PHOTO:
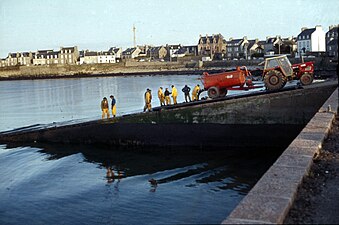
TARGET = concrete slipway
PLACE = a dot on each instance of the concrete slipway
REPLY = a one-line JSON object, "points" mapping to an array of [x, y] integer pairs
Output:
{"points": [[271, 198]]}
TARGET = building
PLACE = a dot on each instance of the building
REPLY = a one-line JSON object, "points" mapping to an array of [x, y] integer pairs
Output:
{"points": [[158, 52], [213, 46], [272, 45], [237, 48], [3, 62], [255, 48], [40, 58], [88, 57], [26, 58], [117, 52], [106, 57], [52, 57], [12, 59], [131, 53], [69, 55], [332, 41], [311, 40]]}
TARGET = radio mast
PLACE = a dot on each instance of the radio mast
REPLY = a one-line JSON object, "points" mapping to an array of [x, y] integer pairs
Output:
{"points": [[134, 39]]}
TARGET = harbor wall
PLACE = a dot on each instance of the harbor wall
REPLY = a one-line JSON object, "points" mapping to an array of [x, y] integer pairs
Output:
{"points": [[264, 119], [271, 198]]}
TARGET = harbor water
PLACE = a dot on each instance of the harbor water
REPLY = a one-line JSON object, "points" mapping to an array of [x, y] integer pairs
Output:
{"points": [[68, 184]]}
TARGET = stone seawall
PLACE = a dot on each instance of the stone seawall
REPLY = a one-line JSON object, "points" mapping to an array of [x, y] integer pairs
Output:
{"points": [[272, 197], [262, 119]]}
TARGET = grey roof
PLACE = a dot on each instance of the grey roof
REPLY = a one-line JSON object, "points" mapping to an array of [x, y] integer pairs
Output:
{"points": [[251, 43], [129, 51], [271, 40], [333, 42], [210, 38], [68, 48], [307, 32], [234, 42], [89, 53], [113, 49], [53, 53]]}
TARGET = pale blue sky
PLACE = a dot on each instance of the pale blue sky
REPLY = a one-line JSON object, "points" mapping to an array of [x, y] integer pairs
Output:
{"points": [[28, 25]]}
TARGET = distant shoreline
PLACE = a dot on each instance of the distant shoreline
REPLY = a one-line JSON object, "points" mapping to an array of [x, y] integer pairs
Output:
{"points": [[140, 69]]}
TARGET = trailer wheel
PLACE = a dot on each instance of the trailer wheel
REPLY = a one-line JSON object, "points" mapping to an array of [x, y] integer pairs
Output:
{"points": [[274, 80], [306, 79], [223, 92], [213, 92]]}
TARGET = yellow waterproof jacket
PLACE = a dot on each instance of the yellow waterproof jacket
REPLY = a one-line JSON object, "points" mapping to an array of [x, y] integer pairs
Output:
{"points": [[148, 97], [195, 90], [174, 92], [104, 104], [160, 94]]}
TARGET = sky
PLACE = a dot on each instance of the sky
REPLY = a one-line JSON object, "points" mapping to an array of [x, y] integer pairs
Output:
{"points": [[29, 25]]}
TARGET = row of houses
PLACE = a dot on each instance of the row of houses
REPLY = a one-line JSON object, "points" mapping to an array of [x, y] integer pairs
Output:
{"points": [[309, 40]]}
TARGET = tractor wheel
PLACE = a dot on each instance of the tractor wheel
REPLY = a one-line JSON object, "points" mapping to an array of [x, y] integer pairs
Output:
{"points": [[213, 92], [223, 92], [274, 80], [306, 79]]}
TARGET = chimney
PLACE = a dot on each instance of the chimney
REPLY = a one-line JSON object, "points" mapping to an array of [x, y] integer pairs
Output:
{"points": [[318, 27], [231, 39], [303, 28], [267, 37]]}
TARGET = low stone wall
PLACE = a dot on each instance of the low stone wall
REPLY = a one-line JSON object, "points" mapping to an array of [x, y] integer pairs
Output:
{"points": [[133, 67], [271, 198]]}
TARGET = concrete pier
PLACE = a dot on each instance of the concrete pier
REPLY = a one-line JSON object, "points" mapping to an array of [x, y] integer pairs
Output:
{"points": [[259, 119], [271, 198]]}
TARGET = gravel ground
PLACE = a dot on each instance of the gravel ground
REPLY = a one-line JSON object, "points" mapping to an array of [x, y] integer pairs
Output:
{"points": [[317, 200]]}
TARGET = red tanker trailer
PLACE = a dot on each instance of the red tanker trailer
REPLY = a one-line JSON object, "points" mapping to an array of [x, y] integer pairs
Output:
{"points": [[217, 84]]}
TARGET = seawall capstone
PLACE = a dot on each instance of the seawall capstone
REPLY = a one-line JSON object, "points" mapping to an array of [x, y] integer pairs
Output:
{"points": [[271, 198]]}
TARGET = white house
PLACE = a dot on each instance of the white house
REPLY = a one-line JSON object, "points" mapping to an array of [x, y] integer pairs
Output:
{"points": [[106, 57], [311, 40]]}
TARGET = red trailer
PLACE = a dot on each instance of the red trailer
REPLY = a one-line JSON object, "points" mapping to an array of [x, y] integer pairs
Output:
{"points": [[217, 84]]}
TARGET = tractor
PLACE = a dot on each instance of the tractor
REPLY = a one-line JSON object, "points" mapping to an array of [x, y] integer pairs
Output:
{"points": [[278, 70]]}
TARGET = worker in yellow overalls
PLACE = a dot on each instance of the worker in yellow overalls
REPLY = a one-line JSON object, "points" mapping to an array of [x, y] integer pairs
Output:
{"points": [[174, 94], [195, 93], [104, 108], [148, 100], [161, 96], [113, 105]]}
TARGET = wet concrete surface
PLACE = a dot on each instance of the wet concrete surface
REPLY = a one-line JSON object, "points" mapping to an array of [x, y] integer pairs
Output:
{"points": [[317, 201]]}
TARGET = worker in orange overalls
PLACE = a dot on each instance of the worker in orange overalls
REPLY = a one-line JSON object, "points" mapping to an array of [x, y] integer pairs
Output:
{"points": [[195, 93], [174, 94], [104, 108], [148, 100], [161, 96]]}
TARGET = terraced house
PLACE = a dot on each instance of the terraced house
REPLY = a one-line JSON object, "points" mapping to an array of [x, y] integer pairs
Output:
{"points": [[213, 46], [332, 41], [237, 48], [69, 55], [311, 40]]}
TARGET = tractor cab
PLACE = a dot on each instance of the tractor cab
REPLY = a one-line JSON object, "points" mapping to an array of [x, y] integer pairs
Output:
{"points": [[279, 63]]}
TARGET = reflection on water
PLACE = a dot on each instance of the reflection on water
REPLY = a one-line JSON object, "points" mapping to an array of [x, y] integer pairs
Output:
{"points": [[91, 185]]}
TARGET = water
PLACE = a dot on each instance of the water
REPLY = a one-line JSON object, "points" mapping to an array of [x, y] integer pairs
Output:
{"points": [[65, 184]]}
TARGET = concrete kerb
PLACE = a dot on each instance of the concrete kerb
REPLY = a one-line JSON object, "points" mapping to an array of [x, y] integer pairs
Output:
{"points": [[271, 198]]}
